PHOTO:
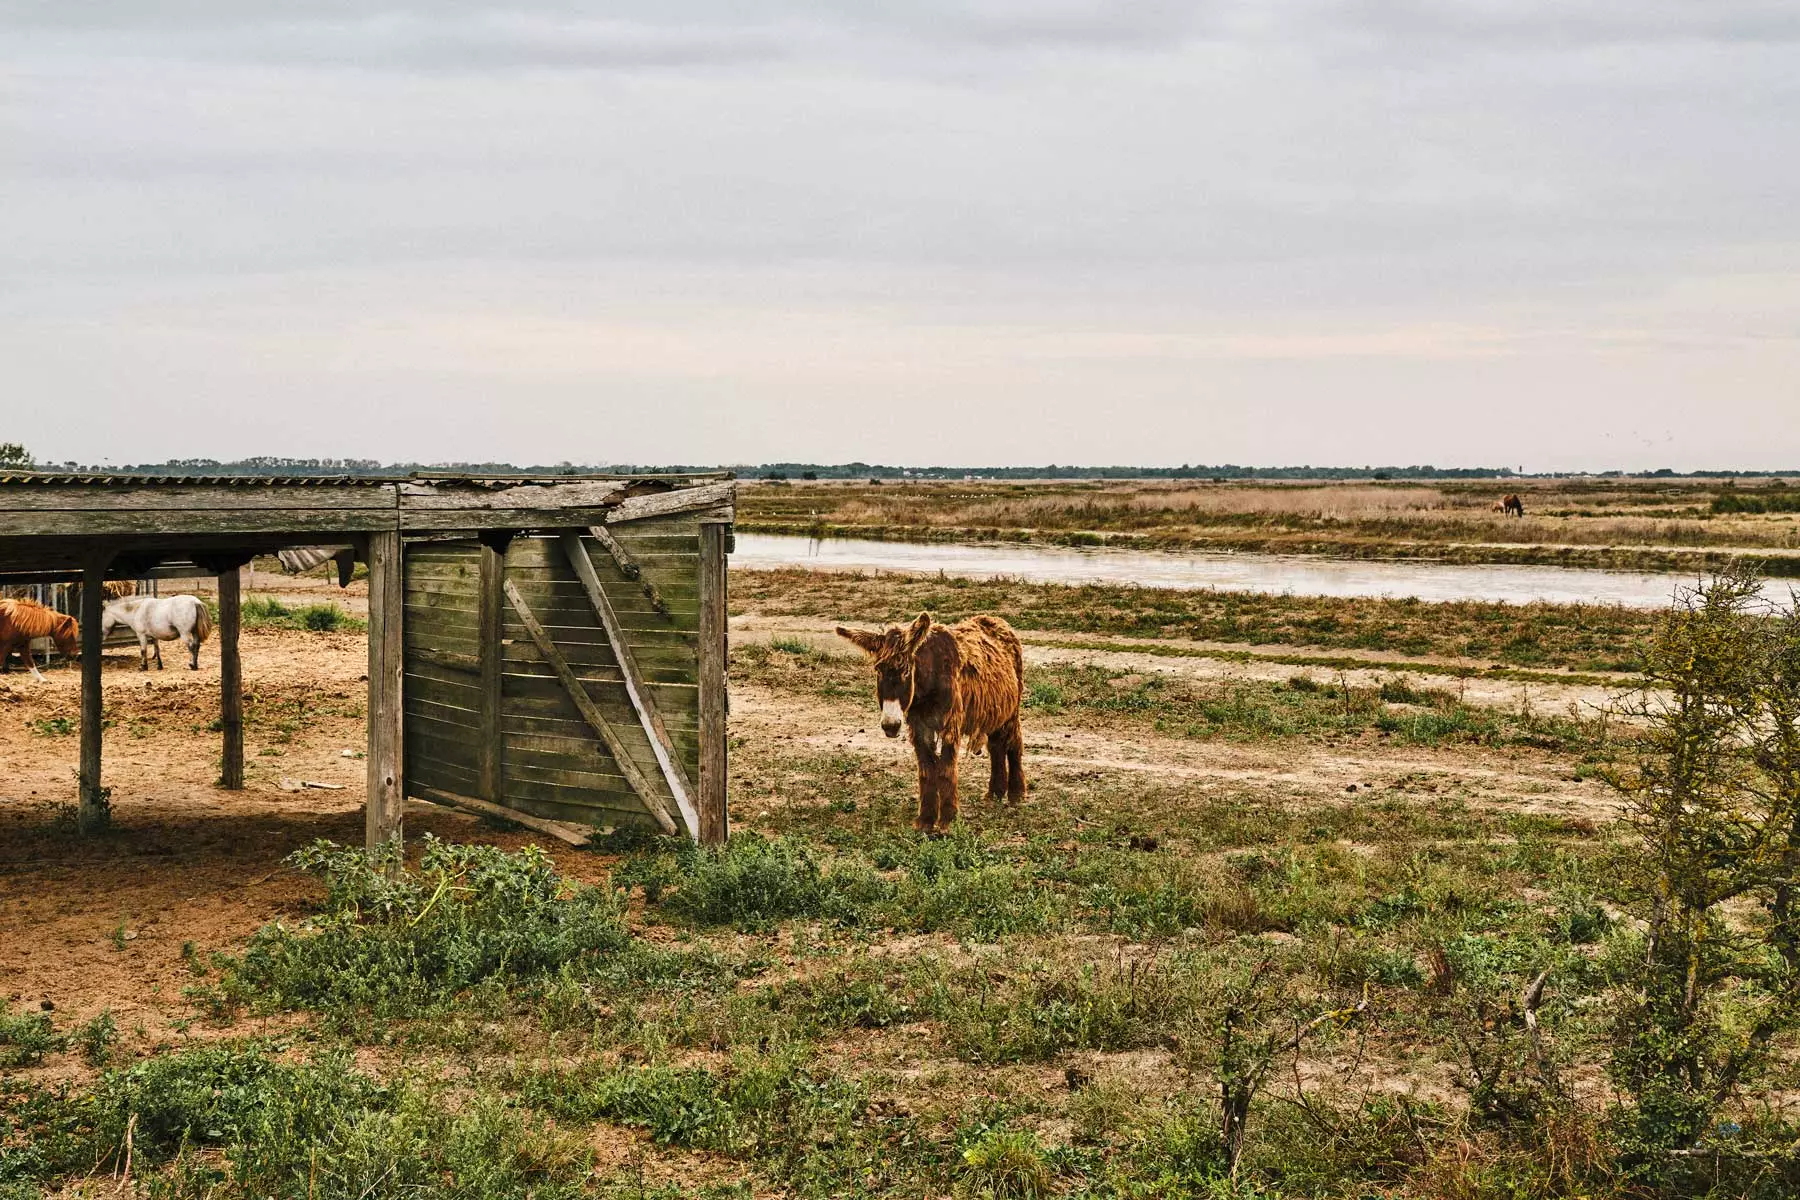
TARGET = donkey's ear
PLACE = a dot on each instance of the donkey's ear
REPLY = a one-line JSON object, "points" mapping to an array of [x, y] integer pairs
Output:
{"points": [[869, 642], [915, 633]]}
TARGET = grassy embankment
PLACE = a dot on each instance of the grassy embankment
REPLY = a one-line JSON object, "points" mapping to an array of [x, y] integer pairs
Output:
{"points": [[1632, 524], [1485, 636]]}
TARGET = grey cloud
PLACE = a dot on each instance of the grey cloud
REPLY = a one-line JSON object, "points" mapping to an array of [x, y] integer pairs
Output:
{"points": [[762, 209]]}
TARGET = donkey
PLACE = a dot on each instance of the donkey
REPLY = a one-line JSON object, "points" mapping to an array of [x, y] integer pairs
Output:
{"points": [[157, 620], [951, 685], [23, 620]]}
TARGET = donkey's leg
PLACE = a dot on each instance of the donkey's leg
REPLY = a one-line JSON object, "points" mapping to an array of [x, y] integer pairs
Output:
{"points": [[143, 654], [1015, 768], [156, 645], [192, 642], [928, 781], [996, 748], [30, 662], [946, 805]]}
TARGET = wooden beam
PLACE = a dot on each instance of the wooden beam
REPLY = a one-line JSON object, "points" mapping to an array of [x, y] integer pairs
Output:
{"points": [[231, 681], [556, 829], [490, 611], [195, 497], [665, 504], [95, 809], [584, 703], [715, 823], [641, 700], [629, 567], [386, 803], [421, 494]]}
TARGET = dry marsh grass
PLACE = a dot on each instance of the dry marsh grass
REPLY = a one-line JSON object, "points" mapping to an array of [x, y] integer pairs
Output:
{"points": [[1301, 517]]}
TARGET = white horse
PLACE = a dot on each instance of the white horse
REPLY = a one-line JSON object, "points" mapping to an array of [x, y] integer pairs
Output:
{"points": [[159, 619]]}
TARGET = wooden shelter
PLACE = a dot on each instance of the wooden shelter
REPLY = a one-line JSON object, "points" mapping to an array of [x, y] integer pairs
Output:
{"points": [[546, 648]]}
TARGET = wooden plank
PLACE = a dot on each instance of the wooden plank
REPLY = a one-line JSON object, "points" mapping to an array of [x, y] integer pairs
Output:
{"points": [[441, 772], [446, 659], [386, 804], [682, 500], [556, 829], [491, 622], [427, 495], [231, 681], [94, 810], [585, 704], [470, 520], [438, 745], [641, 700], [715, 824], [624, 814], [629, 567], [193, 497]]}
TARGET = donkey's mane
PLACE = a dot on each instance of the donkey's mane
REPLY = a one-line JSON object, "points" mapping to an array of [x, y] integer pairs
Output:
{"points": [[32, 619]]}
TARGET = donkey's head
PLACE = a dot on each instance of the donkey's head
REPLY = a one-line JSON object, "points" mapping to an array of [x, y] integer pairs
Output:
{"points": [[65, 634], [893, 651]]}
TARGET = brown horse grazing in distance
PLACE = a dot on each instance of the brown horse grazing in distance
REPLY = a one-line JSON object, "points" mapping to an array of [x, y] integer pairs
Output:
{"points": [[1511, 505], [22, 620], [952, 686]]}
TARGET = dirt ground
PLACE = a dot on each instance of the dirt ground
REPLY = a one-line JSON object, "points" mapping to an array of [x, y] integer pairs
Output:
{"points": [[89, 924]]}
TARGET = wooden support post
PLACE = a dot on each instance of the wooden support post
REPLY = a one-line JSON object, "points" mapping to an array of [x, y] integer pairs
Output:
{"points": [[489, 613], [231, 681], [387, 785], [95, 809], [715, 825], [642, 702]]}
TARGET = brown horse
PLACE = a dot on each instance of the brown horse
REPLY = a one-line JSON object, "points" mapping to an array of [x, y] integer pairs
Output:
{"points": [[23, 620], [952, 686], [1511, 505]]}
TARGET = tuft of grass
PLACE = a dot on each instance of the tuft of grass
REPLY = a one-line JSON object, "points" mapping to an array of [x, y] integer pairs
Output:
{"points": [[391, 942], [96, 1037], [269, 612], [1007, 1165], [25, 1038], [751, 883]]}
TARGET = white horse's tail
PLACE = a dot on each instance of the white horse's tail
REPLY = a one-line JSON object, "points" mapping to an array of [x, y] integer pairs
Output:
{"points": [[202, 620]]}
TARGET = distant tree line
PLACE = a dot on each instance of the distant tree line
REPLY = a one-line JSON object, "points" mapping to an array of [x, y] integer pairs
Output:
{"points": [[14, 455]]}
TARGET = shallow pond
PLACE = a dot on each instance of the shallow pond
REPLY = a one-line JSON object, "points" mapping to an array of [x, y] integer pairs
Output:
{"points": [[1280, 574]]}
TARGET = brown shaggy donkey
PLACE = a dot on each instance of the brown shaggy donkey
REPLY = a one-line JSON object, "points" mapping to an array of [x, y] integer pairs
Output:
{"points": [[22, 620], [951, 685]]}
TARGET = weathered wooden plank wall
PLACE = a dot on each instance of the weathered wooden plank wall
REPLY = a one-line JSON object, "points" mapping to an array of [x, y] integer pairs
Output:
{"points": [[548, 759]]}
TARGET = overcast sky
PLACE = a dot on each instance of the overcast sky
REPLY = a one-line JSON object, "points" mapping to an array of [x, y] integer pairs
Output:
{"points": [[1548, 233]]}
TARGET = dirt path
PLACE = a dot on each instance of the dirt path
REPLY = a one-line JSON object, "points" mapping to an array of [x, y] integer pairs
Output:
{"points": [[1511, 780]]}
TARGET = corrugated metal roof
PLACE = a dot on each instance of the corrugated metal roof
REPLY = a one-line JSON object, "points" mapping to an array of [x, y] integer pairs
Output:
{"points": [[108, 479], [103, 479]]}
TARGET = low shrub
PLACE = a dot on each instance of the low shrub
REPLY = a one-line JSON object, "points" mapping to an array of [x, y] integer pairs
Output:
{"points": [[396, 943]]}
